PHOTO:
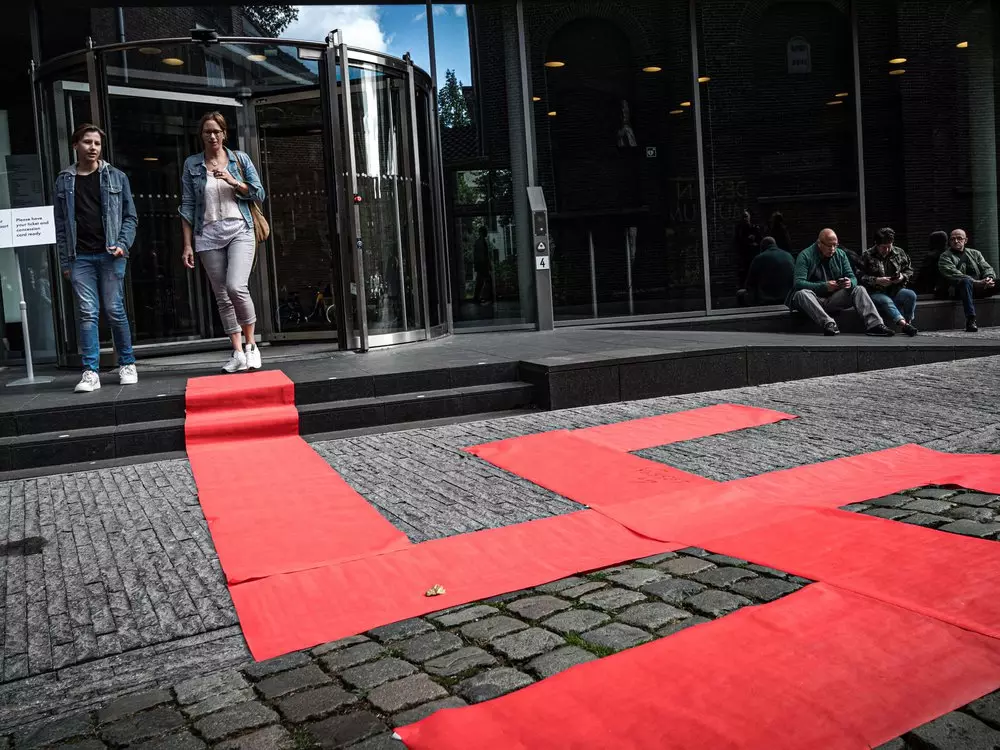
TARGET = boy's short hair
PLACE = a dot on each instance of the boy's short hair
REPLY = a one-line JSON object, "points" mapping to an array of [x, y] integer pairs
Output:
{"points": [[84, 129]]}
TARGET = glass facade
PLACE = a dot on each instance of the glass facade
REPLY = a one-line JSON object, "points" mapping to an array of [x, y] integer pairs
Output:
{"points": [[668, 137]]}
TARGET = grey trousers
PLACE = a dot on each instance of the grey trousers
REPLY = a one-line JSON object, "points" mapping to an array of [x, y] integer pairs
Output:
{"points": [[819, 308], [228, 270]]}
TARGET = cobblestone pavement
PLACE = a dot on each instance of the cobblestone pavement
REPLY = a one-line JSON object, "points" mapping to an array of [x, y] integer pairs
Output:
{"points": [[111, 583], [983, 333]]}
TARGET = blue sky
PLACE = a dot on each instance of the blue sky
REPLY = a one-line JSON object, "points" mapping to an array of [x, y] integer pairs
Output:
{"points": [[394, 29]]}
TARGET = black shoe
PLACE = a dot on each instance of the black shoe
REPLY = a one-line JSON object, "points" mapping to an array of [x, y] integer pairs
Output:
{"points": [[830, 329], [909, 329], [970, 325], [879, 330]]}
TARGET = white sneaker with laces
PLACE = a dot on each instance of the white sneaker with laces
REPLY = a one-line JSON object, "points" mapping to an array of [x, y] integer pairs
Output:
{"points": [[253, 356], [236, 363], [90, 382], [127, 375]]}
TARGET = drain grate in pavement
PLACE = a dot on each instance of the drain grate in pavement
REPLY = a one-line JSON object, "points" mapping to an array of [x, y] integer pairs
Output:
{"points": [[31, 545], [951, 509]]}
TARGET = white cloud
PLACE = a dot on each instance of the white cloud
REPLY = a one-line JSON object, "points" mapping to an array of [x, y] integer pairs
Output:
{"points": [[440, 10], [360, 25], [459, 11], [420, 16]]}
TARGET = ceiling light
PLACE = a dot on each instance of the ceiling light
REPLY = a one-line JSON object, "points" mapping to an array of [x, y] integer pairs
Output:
{"points": [[897, 72], [685, 104], [536, 98], [257, 58], [704, 79], [835, 101], [174, 61], [150, 50], [552, 114], [652, 69], [555, 64], [151, 158], [677, 111], [841, 95], [897, 61], [962, 45]]}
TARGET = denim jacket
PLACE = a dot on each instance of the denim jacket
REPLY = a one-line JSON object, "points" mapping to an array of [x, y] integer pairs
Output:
{"points": [[195, 176], [118, 211]]}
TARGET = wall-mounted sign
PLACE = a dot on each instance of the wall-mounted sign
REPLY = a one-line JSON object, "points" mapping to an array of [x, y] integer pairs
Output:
{"points": [[650, 152], [799, 55], [541, 262], [24, 227]]}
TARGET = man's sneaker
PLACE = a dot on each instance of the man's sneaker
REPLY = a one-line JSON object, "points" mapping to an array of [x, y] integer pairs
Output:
{"points": [[970, 325], [830, 329], [127, 375], [236, 363], [88, 383], [908, 328], [879, 330], [253, 356]]}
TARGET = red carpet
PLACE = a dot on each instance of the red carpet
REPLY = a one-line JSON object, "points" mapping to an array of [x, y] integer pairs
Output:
{"points": [[820, 668], [273, 505]]}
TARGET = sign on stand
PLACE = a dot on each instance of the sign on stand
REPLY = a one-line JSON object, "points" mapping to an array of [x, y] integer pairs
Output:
{"points": [[27, 227]]}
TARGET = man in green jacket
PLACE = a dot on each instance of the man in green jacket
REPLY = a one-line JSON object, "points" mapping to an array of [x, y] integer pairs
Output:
{"points": [[824, 283], [968, 273]]}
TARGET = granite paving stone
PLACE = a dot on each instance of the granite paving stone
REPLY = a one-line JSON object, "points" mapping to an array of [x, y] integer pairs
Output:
{"points": [[143, 726], [723, 577], [890, 501], [686, 566], [613, 599], [70, 727], [636, 578], [561, 585], [342, 731], [652, 615], [428, 645], [975, 499], [955, 730], [315, 704], [492, 684], [400, 631], [239, 718], [964, 513], [927, 520], [405, 693], [270, 667], [584, 588], [890, 514], [987, 709], [616, 636], [576, 621], [764, 589], [674, 590], [338, 645], [677, 627], [537, 607], [132, 704], [527, 643], [973, 528], [292, 681], [352, 656], [716, 603], [463, 616], [182, 740], [459, 662], [484, 631], [270, 738], [413, 715], [924, 505], [369, 676], [559, 660]]}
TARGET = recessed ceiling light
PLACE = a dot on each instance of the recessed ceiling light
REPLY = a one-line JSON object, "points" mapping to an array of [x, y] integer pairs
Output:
{"points": [[151, 158], [652, 69], [685, 104], [552, 114], [962, 45], [536, 98], [841, 95], [897, 61], [677, 111], [257, 58], [897, 72], [150, 50], [555, 64], [174, 61], [834, 101], [704, 79]]}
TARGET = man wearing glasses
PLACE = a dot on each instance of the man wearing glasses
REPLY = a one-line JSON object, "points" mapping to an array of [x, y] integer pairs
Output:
{"points": [[968, 273], [825, 283]]}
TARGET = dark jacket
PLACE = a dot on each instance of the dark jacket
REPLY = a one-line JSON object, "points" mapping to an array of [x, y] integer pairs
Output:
{"points": [[805, 267], [874, 266], [956, 266], [771, 276]]}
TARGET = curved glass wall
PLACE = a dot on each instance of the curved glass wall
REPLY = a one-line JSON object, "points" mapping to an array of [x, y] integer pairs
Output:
{"points": [[284, 105]]}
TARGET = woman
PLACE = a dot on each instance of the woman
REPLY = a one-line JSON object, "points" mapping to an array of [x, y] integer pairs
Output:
{"points": [[218, 186]]}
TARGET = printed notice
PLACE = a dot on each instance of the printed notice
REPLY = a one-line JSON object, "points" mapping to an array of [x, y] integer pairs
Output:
{"points": [[6, 235], [32, 226]]}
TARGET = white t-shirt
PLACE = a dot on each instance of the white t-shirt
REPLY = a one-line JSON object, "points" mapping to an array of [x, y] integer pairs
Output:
{"points": [[223, 220]]}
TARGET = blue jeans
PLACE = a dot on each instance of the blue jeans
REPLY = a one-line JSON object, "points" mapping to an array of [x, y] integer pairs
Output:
{"points": [[903, 305], [967, 293], [99, 279]]}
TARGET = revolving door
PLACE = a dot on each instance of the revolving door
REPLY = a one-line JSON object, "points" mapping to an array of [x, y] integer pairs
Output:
{"points": [[345, 142]]}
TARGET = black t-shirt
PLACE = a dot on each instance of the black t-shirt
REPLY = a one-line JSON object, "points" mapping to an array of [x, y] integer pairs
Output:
{"points": [[89, 221]]}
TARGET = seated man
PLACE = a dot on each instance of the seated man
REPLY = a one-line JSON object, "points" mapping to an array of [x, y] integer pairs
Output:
{"points": [[886, 272], [968, 273], [824, 284], [771, 275]]}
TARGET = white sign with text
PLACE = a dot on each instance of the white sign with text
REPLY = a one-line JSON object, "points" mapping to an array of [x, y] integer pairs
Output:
{"points": [[25, 227]]}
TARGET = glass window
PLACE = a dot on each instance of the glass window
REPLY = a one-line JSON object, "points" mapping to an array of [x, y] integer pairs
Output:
{"points": [[928, 85], [778, 120], [611, 94]]}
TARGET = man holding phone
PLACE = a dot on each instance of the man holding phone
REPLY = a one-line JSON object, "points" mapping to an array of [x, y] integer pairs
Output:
{"points": [[95, 226], [968, 273], [886, 272], [824, 284]]}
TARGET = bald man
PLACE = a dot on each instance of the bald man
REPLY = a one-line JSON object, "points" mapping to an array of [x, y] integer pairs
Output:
{"points": [[968, 274], [825, 283]]}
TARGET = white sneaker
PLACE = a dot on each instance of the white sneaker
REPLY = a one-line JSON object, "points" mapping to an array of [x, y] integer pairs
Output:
{"points": [[90, 382], [253, 356], [127, 375], [236, 363]]}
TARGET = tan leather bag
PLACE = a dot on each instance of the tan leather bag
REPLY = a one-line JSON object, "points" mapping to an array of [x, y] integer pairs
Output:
{"points": [[261, 229]]}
